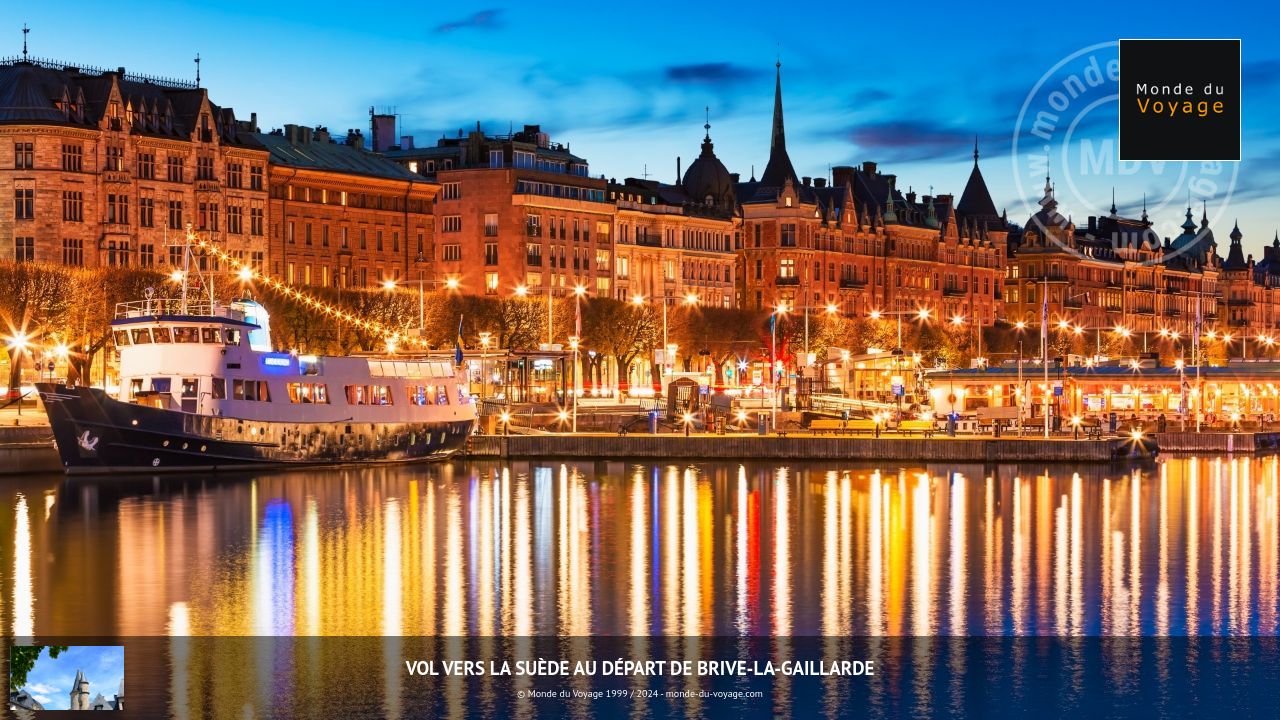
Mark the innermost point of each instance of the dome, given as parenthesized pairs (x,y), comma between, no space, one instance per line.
(708,177)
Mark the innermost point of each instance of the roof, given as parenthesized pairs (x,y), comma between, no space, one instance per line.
(975,201)
(313,150)
(779,168)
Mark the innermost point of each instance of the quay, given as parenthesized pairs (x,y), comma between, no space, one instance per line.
(797,446)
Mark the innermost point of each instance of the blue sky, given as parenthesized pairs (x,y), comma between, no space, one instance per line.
(50,680)
(905,85)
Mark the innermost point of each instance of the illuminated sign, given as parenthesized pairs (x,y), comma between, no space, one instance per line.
(277,360)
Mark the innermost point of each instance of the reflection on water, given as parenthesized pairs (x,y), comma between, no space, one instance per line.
(1187,546)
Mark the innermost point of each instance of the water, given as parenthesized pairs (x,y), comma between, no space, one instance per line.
(627,553)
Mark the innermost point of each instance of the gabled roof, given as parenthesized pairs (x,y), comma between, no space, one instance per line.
(779,167)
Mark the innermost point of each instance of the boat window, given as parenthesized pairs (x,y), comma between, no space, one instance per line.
(463,398)
(308,393)
(186,334)
(210,335)
(418,394)
(219,389)
(141,336)
(161,384)
(135,387)
(190,387)
(162,334)
(231,336)
(368,395)
(442,395)
(308,365)
(122,338)
(253,390)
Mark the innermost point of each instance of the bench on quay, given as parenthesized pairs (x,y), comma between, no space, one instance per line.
(842,426)
(924,427)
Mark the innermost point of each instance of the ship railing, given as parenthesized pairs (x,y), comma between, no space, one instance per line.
(172,306)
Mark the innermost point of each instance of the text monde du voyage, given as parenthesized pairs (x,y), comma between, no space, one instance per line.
(630,668)
(1180,99)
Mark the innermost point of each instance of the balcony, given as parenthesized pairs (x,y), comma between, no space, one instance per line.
(533,230)
(116,176)
(1144,311)
(954,292)
(851,283)
(1172,312)
(1239,302)
(208,186)
(788,280)
(534,261)
(649,241)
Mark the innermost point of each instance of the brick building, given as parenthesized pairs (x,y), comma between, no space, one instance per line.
(677,243)
(860,244)
(108,167)
(343,216)
(515,211)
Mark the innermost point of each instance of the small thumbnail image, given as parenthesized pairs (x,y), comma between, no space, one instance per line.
(66,677)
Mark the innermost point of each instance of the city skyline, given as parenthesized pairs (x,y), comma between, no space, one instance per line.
(632,115)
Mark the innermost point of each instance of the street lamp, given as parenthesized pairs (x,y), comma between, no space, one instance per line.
(573,343)
(773,360)
(245,274)
(485,337)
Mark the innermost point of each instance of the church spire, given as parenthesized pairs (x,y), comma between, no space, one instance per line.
(975,201)
(779,168)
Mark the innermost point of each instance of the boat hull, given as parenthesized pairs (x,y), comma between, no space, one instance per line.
(95,433)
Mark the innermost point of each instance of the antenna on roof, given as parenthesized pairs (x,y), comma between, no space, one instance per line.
(646,171)
(25,31)
(197,69)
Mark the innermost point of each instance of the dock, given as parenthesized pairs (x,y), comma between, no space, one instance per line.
(802,447)
(1219,442)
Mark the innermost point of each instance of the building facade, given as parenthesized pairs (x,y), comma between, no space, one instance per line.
(109,168)
(342,216)
(858,244)
(517,214)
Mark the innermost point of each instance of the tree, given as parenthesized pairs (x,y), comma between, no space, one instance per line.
(22,659)
(623,331)
(34,298)
(96,292)
(721,334)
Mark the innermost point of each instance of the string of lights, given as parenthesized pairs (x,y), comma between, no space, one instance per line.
(246,273)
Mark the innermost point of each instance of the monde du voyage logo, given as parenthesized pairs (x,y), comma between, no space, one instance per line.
(1180,100)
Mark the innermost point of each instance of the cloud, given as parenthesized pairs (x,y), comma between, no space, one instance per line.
(1260,73)
(42,688)
(869,96)
(490,19)
(710,73)
(42,699)
(906,140)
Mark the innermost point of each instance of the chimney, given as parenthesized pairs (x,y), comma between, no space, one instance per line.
(806,180)
(841,175)
(120,71)
(406,142)
(679,176)
(911,195)
(384,131)
(819,182)
(291,133)
(735,177)
(253,121)
(868,167)
(1093,225)
(355,138)
(321,134)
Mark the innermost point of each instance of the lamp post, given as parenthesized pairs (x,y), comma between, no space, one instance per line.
(921,314)
(578,292)
(773,360)
(485,337)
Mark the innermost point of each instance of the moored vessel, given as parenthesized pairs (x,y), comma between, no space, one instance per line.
(201,388)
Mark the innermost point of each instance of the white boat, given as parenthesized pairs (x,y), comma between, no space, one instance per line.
(201,388)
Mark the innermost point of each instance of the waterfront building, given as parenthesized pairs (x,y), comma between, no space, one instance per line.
(1117,275)
(678,243)
(342,216)
(107,167)
(856,241)
(517,214)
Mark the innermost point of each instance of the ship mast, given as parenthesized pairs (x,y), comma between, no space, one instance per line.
(206,280)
